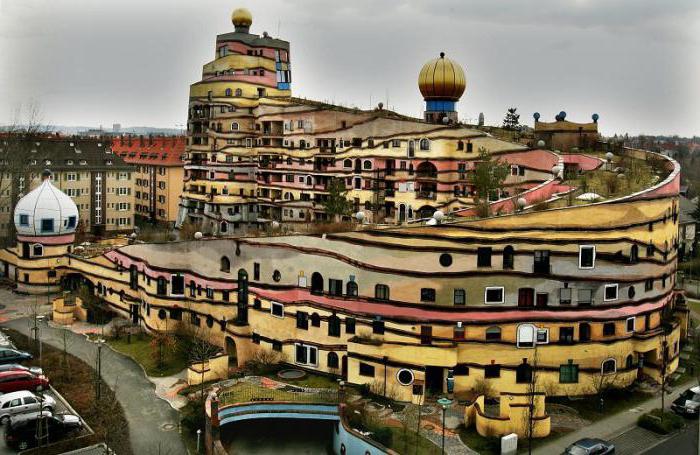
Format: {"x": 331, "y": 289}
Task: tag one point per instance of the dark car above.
{"x": 13, "y": 381}
{"x": 23, "y": 432}
{"x": 688, "y": 403}
{"x": 590, "y": 446}
{"x": 18, "y": 367}
{"x": 13, "y": 356}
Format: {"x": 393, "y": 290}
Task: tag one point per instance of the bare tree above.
{"x": 531, "y": 390}
{"x": 197, "y": 344}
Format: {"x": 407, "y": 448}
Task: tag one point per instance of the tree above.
{"x": 195, "y": 343}
{"x": 531, "y": 390}
{"x": 489, "y": 175}
{"x": 512, "y": 120}
{"x": 337, "y": 204}
{"x": 16, "y": 144}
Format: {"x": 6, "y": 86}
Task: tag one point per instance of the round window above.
{"x": 405, "y": 377}
{"x": 276, "y": 275}
{"x": 445, "y": 260}
{"x": 631, "y": 292}
{"x": 161, "y": 314}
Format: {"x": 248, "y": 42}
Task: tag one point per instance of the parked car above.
{"x": 17, "y": 366}
{"x": 22, "y": 402}
{"x": 590, "y": 446}
{"x": 21, "y": 433}
{"x": 5, "y": 341}
{"x": 8, "y": 355}
{"x": 688, "y": 403}
{"x": 13, "y": 381}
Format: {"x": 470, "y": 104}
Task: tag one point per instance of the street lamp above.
{"x": 444, "y": 402}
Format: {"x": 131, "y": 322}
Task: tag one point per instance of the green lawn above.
{"x": 140, "y": 349}
{"x": 408, "y": 442}
{"x": 616, "y": 400}
{"x": 473, "y": 440}
{"x": 309, "y": 380}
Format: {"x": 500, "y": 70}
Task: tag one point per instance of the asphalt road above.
{"x": 684, "y": 443}
{"x": 152, "y": 422}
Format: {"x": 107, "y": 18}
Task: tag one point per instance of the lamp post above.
{"x": 40, "y": 419}
{"x": 98, "y": 379}
{"x": 444, "y": 402}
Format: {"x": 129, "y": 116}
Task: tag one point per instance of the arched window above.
{"x": 228, "y": 92}
{"x": 584, "y": 331}
{"x": 316, "y": 283}
{"x": 460, "y": 145}
{"x": 608, "y": 367}
{"x": 493, "y": 333}
{"x": 508, "y": 257}
{"x": 526, "y": 335}
{"x": 523, "y": 373}
{"x": 629, "y": 362}
{"x": 332, "y": 360}
{"x": 334, "y": 326}
{"x": 347, "y": 163}
{"x": 239, "y": 92}
{"x": 193, "y": 288}
{"x": 424, "y": 144}
{"x": 234, "y": 126}
{"x": 351, "y": 289}
{"x": 315, "y": 320}
{"x": 225, "y": 264}
{"x": 37, "y": 250}
{"x": 634, "y": 254}
{"x": 223, "y": 227}
{"x": 381, "y": 292}
{"x": 367, "y": 165}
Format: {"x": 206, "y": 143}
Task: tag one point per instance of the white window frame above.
{"x": 71, "y": 177}
{"x": 580, "y": 250}
{"x": 603, "y": 362}
{"x": 605, "y": 292}
{"x": 634, "y": 324}
{"x": 490, "y": 288}
{"x": 308, "y": 348}
{"x": 272, "y": 313}
{"x": 538, "y": 332}
{"x": 184, "y": 286}
{"x": 533, "y": 328}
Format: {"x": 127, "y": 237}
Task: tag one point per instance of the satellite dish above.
{"x": 536, "y": 116}
{"x": 438, "y": 215}
{"x": 198, "y": 235}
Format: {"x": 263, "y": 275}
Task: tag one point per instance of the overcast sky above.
{"x": 92, "y": 62}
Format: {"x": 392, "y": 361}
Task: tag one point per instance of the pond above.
{"x": 278, "y": 437}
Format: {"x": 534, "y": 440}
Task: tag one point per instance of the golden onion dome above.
{"x": 442, "y": 78}
{"x": 241, "y": 17}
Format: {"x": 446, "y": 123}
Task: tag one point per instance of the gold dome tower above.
{"x": 242, "y": 19}
{"x": 441, "y": 82}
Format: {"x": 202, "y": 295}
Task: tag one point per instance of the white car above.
{"x": 5, "y": 341}
{"x": 22, "y": 402}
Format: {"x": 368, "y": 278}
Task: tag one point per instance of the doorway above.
{"x": 231, "y": 352}
{"x": 434, "y": 380}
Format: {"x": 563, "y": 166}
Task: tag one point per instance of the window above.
{"x": 381, "y": 292}
{"x": 608, "y": 367}
{"x": 366, "y": 370}
{"x": 483, "y": 257}
{"x": 24, "y": 220}
{"x": 460, "y": 297}
{"x": 37, "y": 250}
{"x": 565, "y": 296}
{"x": 71, "y": 222}
{"x": 494, "y": 295}
{"x": 609, "y": 329}
{"x": 629, "y": 325}
{"x": 610, "y": 292}
{"x": 349, "y": 325}
{"x": 405, "y": 376}
{"x": 566, "y": 335}
{"x": 315, "y": 320}
{"x": 378, "y": 326}
{"x": 47, "y": 225}
{"x": 332, "y": 360}
{"x": 351, "y": 289}
{"x": 276, "y": 276}
{"x": 508, "y": 257}
{"x": 424, "y": 144}
{"x": 541, "y": 264}
{"x": 523, "y": 373}
{"x": 634, "y": 254}
{"x": 492, "y": 371}
{"x": 493, "y": 334}
{"x": 542, "y": 336}
{"x": 302, "y": 320}
{"x": 334, "y": 326}
{"x": 225, "y": 264}
{"x": 649, "y": 285}
{"x": 631, "y": 292}
{"x": 335, "y": 287}
{"x": 568, "y": 374}
{"x": 177, "y": 285}
{"x": 161, "y": 286}
{"x": 306, "y": 355}
{"x": 586, "y": 256}
{"x": 427, "y": 295}
{"x": 277, "y": 309}
{"x": 210, "y": 293}
{"x": 256, "y": 271}
{"x": 584, "y": 296}
{"x": 176, "y": 314}
{"x": 584, "y": 331}
{"x": 445, "y": 260}
{"x": 526, "y": 335}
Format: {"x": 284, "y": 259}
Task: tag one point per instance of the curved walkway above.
{"x": 153, "y": 423}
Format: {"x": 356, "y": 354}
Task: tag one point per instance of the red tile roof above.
{"x": 155, "y": 150}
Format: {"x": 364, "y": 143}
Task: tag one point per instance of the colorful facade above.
{"x": 580, "y": 294}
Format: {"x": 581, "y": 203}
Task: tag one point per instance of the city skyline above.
{"x": 144, "y": 75}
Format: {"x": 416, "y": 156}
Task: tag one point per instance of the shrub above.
{"x": 383, "y": 436}
{"x": 658, "y": 422}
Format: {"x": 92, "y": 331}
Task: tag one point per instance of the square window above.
{"x": 542, "y": 336}
{"x": 492, "y": 371}
{"x": 610, "y": 292}
{"x": 609, "y": 329}
{"x": 47, "y": 225}
{"x": 565, "y": 296}
{"x": 366, "y": 370}
{"x": 24, "y": 220}
{"x": 568, "y": 374}
{"x": 427, "y": 295}
{"x": 483, "y": 257}
{"x": 277, "y": 309}
{"x": 586, "y": 256}
{"x": 177, "y": 285}
{"x": 585, "y": 296}
{"x": 494, "y": 295}
{"x": 460, "y": 297}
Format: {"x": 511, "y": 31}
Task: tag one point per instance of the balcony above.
{"x": 430, "y": 195}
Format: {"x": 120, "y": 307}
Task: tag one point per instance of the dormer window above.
{"x": 83, "y": 162}
{"x": 69, "y": 162}
{"x": 47, "y": 225}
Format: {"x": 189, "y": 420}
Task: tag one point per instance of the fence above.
{"x": 244, "y": 392}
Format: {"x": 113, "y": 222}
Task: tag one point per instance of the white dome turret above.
{"x": 46, "y": 211}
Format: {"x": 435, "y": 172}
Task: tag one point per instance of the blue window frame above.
{"x": 24, "y": 220}
{"x": 47, "y": 225}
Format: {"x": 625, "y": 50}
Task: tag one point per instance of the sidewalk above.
{"x": 612, "y": 426}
